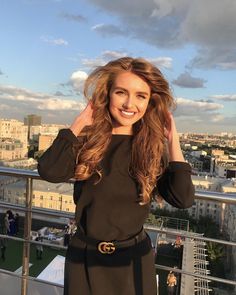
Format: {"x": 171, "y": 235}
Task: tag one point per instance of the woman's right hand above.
{"x": 85, "y": 118}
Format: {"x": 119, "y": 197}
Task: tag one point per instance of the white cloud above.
{"x": 196, "y": 109}
{"x": 217, "y": 118}
{"x": 185, "y": 80}
{"x": 107, "y": 55}
{"x": 210, "y": 25}
{"x": 162, "y": 62}
{"x": 77, "y": 80}
{"x": 36, "y": 100}
{"x": 108, "y": 30}
{"x": 225, "y": 97}
{"x": 4, "y": 107}
{"x": 73, "y": 17}
{"x": 16, "y": 102}
{"x": 57, "y": 42}
{"x": 55, "y": 104}
{"x": 214, "y": 57}
{"x": 201, "y": 116}
{"x": 113, "y": 54}
{"x": 93, "y": 62}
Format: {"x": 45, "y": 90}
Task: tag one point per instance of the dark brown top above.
{"x": 110, "y": 209}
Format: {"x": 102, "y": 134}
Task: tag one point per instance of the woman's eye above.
{"x": 142, "y": 96}
{"x": 120, "y": 92}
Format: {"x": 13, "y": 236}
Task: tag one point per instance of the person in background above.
{"x": 171, "y": 283}
{"x": 122, "y": 149}
{"x": 39, "y": 247}
{"x": 11, "y": 219}
{"x": 6, "y": 224}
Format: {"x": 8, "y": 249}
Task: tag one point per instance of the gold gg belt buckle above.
{"x": 106, "y": 247}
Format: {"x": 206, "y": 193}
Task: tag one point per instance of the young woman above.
{"x": 122, "y": 149}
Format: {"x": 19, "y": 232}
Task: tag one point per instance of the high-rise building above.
{"x": 32, "y": 120}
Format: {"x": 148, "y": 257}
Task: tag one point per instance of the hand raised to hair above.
{"x": 170, "y": 128}
{"x": 85, "y": 118}
{"x": 172, "y": 137}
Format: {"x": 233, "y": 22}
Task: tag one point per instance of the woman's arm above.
{"x": 58, "y": 163}
{"x": 175, "y": 185}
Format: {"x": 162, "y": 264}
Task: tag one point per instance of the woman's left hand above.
{"x": 169, "y": 127}
{"x": 171, "y": 134}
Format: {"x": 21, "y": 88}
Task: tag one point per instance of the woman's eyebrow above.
{"x": 121, "y": 88}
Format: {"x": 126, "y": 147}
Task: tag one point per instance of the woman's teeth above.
{"x": 127, "y": 113}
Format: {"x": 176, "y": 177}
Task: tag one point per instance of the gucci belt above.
{"x": 106, "y": 247}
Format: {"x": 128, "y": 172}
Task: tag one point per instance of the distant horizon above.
{"x": 68, "y": 124}
{"x": 48, "y": 49}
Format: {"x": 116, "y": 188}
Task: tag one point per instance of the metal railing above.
{"x": 29, "y": 212}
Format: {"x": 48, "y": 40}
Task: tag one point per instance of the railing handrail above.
{"x": 199, "y": 194}
{"x": 57, "y": 213}
{"x": 181, "y": 271}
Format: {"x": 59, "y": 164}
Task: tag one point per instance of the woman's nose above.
{"x": 128, "y": 102}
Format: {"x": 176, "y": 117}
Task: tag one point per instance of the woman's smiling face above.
{"x": 129, "y": 98}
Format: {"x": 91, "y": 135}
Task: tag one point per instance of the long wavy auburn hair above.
{"x": 148, "y": 145}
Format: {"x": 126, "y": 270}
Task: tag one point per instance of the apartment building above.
{"x": 45, "y": 195}
{"x": 44, "y": 129}
{"x": 13, "y": 140}
{"x": 11, "y": 149}
{"x": 13, "y": 129}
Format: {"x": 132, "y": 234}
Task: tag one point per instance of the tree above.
{"x": 215, "y": 251}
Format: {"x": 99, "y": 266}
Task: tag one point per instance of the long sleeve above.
{"x": 58, "y": 162}
{"x": 175, "y": 185}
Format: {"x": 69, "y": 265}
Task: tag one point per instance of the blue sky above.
{"x": 49, "y": 46}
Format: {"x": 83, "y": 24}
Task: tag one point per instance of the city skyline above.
{"x": 49, "y": 47}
